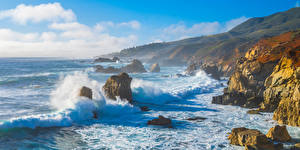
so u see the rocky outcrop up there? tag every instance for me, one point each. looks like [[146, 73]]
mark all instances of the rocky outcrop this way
[[161, 120], [86, 92], [101, 59], [279, 133], [155, 68], [247, 84], [115, 59], [252, 139], [209, 68], [135, 66], [101, 69], [118, 86]]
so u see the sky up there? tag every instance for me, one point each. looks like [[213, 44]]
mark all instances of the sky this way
[[88, 28]]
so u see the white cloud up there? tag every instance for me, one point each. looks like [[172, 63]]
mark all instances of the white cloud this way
[[106, 25], [43, 12], [181, 31]]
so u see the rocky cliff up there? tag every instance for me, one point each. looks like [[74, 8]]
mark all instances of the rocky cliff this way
[[267, 77]]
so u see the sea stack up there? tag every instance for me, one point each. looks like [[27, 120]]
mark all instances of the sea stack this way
[[118, 86], [86, 92]]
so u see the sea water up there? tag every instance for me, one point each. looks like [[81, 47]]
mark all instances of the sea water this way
[[40, 109]]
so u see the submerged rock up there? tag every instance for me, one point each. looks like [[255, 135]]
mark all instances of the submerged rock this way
[[86, 92], [144, 108], [254, 111], [279, 133], [155, 68], [196, 118], [118, 86], [135, 66], [161, 120]]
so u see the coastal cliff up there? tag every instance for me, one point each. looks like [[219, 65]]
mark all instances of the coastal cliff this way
[[267, 77]]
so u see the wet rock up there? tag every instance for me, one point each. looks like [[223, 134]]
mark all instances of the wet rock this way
[[278, 146], [135, 66], [86, 92], [254, 111], [101, 59], [279, 133], [212, 70], [155, 68], [101, 69], [115, 59], [144, 108], [196, 118], [192, 69], [161, 120], [118, 86], [251, 137]]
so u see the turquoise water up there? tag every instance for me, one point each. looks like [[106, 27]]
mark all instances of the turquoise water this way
[[40, 109]]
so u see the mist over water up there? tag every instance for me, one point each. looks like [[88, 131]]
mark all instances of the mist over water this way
[[40, 108]]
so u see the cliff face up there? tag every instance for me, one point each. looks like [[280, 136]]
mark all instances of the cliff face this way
[[248, 87]]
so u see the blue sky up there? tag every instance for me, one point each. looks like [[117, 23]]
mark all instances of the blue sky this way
[[92, 27]]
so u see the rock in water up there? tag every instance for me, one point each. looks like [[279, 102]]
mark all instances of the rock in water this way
[[86, 92], [279, 133], [251, 138], [101, 59], [116, 59], [118, 85], [161, 120], [155, 68], [134, 67]]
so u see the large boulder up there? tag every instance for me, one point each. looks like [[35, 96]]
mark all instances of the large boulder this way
[[212, 70], [86, 92], [161, 120], [135, 66], [279, 133], [251, 138], [155, 68], [118, 86]]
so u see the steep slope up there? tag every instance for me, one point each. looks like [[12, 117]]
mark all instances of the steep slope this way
[[221, 48]]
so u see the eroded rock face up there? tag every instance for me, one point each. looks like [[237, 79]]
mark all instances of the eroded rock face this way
[[279, 133], [161, 120], [283, 91], [247, 84], [155, 68], [86, 92], [135, 66], [118, 85]]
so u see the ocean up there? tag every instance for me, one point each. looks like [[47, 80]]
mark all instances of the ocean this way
[[40, 109]]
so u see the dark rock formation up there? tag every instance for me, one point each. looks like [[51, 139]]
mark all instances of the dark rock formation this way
[[101, 59], [118, 85], [144, 108], [196, 118], [155, 68], [135, 66], [161, 120], [192, 69], [101, 69], [86, 92], [209, 68], [252, 139], [279, 133], [115, 59]]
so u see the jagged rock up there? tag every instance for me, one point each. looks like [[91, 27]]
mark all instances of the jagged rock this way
[[155, 68], [279, 133], [246, 86], [251, 138], [116, 59], [86, 92], [212, 70], [101, 59], [134, 67], [192, 69], [118, 85], [161, 120]]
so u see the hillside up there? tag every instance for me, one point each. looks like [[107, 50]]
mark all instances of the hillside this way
[[219, 48]]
